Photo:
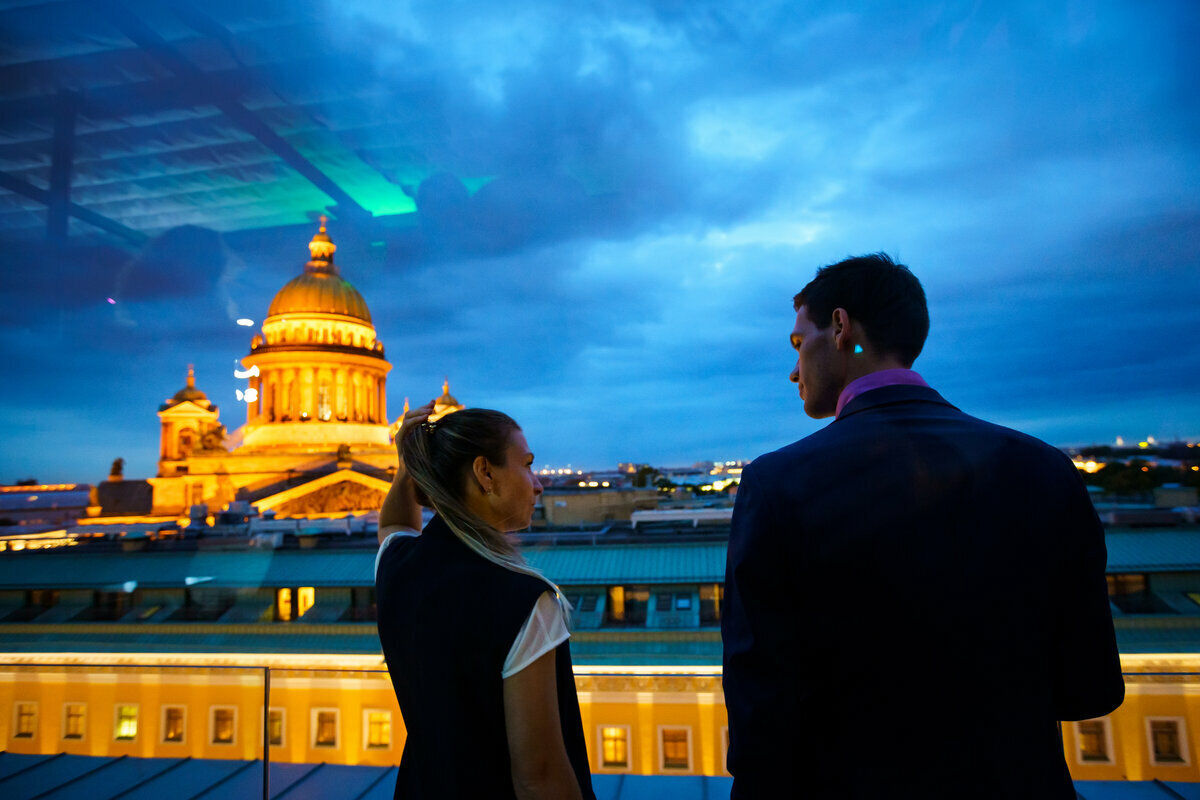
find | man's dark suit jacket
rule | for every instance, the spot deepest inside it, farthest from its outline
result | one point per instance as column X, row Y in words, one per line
column 914, row 597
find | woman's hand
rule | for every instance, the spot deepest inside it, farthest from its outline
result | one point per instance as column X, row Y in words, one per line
column 412, row 419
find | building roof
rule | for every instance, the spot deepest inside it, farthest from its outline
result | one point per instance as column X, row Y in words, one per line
column 81, row 568
column 568, row 565
column 63, row 775
column 1175, row 550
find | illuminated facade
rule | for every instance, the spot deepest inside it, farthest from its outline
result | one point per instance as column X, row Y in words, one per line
column 316, row 438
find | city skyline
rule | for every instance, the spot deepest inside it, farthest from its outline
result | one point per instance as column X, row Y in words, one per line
column 611, row 210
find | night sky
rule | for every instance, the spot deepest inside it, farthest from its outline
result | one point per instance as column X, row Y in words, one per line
column 617, row 201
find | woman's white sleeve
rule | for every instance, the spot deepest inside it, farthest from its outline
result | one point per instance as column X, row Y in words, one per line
column 393, row 532
column 545, row 630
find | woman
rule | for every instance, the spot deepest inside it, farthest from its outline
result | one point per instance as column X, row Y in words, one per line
column 475, row 639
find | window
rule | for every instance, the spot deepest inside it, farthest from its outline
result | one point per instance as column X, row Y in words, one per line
column 26, row 723
column 291, row 604
column 587, row 603
column 74, row 717
column 222, row 724
column 125, row 728
column 275, row 726
column 676, row 748
column 711, row 596
column 626, row 605
column 1166, row 741
column 1092, row 741
column 1131, row 593
column 614, row 746
column 324, row 727
column 378, row 728
column 678, row 601
column 173, row 724
column 283, row 605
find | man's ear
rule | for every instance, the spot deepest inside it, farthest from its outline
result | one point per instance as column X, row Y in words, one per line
column 843, row 327
column 481, row 468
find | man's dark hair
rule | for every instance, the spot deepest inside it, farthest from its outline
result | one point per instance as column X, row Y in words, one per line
column 883, row 296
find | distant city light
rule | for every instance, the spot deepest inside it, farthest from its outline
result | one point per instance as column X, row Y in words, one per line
column 245, row 323
column 248, row 373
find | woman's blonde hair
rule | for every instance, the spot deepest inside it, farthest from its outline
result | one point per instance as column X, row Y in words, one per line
column 439, row 458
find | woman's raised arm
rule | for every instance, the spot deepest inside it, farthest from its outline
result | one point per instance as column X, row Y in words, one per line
column 400, row 507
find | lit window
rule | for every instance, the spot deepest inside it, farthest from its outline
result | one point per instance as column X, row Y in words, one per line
column 283, row 605
column 223, row 725
column 1166, row 744
column 305, row 597
column 126, row 728
column 325, row 725
column 1093, row 741
column 26, row 720
column 614, row 746
column 379, row 728
column 73, row 720
column 275, row 726
column 675, row 748
column 173, row 724
column 683, row 602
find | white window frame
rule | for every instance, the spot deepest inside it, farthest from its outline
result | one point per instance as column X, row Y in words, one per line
column 212, row 725
column 82, row 737
column 282, row 725
column 1108, row 743
column 337, row 728
column 162, row 719
column 366, row 730
column 600, row 765
column 691, row 765
column 37, row 713
column 1181, row 726
column 137, row 708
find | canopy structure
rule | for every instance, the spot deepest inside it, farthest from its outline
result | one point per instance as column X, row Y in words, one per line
column 128, row 118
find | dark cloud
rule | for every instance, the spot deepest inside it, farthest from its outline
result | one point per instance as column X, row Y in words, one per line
column 615, row 203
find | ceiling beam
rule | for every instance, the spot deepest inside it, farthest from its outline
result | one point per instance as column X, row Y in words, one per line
column 158, row 48
column 27, row 189
column 62, row 159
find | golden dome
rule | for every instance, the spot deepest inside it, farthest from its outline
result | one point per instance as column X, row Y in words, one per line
column 320, row 288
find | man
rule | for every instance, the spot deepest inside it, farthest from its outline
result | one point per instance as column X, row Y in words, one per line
column 914, row 597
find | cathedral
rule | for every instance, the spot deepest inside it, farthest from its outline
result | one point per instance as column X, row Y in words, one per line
column 316, row 439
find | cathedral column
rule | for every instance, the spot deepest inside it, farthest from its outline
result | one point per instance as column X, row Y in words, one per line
column 382, row 385
column 339, row 402
column 252, row 409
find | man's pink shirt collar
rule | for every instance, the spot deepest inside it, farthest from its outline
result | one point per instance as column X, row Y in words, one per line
column 877, row 380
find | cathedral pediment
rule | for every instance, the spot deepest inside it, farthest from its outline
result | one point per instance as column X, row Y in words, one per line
column 337, row 492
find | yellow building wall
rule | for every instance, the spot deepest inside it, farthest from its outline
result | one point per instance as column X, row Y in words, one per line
column 643, row 700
